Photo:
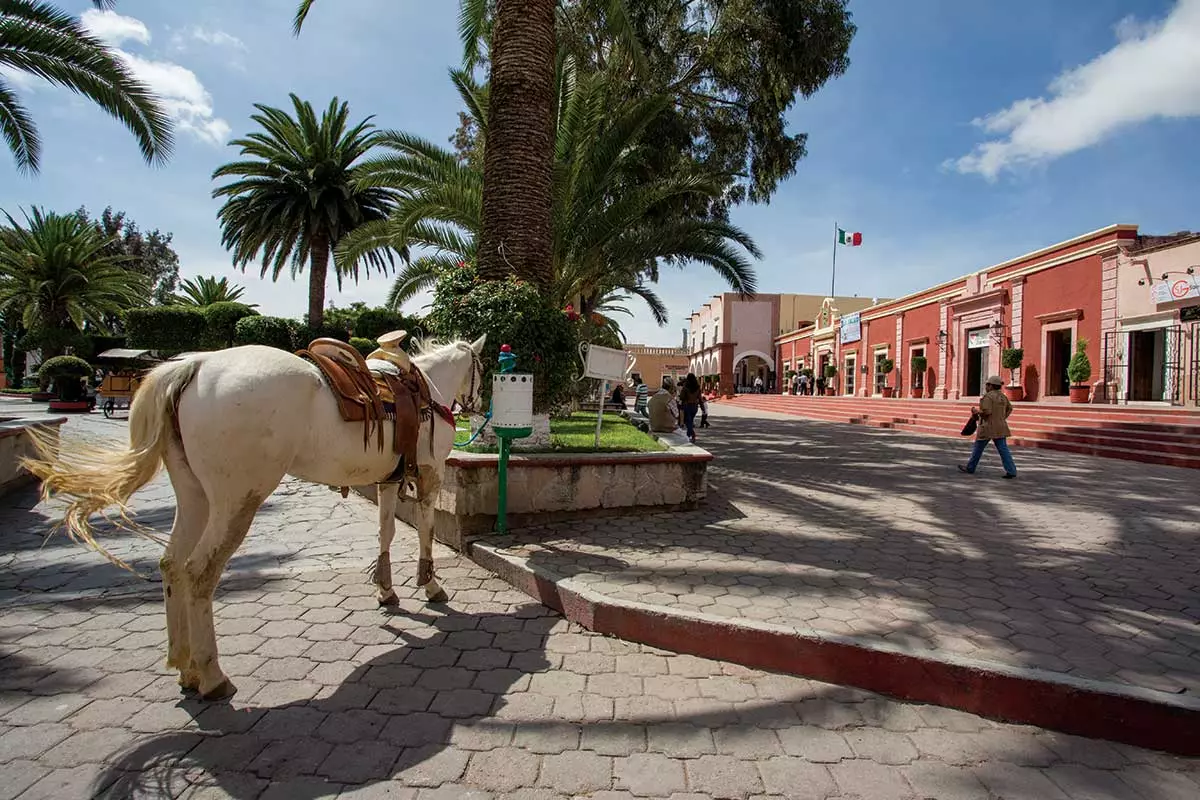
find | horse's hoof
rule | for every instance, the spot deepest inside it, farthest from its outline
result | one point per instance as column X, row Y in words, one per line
column 440, row 597
column 222, row 691
column 390, row 600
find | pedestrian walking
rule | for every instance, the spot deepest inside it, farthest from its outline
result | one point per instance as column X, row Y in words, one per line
column 689, row 404
column 992, row 420
column 641, row 396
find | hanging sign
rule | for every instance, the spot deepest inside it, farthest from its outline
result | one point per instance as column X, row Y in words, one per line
column 512, row 400
column 851, row 328
column 977, row 338
column 1186, row 288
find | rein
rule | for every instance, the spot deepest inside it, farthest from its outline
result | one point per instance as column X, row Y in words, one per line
column 472, row 397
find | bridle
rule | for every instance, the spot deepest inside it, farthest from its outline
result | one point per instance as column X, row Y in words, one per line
column 470, row 403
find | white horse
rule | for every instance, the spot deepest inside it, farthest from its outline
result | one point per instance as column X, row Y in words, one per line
column 229, row 425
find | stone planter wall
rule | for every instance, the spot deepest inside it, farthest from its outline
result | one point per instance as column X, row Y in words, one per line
column 545, row 487
column 15, row 445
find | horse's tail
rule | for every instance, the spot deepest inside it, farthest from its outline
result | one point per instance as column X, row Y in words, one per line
column 95, row 477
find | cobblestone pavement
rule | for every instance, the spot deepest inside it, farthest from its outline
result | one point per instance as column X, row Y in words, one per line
column 488, row 696
column 1085, row 566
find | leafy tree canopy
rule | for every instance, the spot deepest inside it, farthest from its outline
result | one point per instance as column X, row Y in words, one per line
column 734, row 69
column 148, row 253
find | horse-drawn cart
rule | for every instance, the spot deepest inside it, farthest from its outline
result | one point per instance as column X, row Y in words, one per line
column 123, row 373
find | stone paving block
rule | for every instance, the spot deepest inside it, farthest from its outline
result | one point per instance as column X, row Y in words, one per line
column 284, row 759
column 431, row 765
column 649, row 774
column 19, row 775
column 815, row 745
column 503, row 769
column 359, row 762
column 576, row 772
column 680, row 740
column 795, row 778
column 723, row 776
column 28, row 742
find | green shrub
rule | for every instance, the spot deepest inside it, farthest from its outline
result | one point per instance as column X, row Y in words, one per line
column 167, row 329
column 269, row 331
column 302, row 335
column 1011, row 358
column 511, row 312
column 374, row 322
column 65, row 372
column 222, row 319
column 362, row 345
column 831, row 371
column 54, row 340
column 920, row 364
column 886, row 366
column 1079, row 370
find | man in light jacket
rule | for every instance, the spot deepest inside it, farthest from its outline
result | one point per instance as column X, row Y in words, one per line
column 992, row 415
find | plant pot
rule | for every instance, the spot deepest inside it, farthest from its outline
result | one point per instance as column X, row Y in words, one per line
column 1015, row 393
column 1080, row 394
column 918, row 392
column 830, row 392
column 888, row 390
column 70, row 406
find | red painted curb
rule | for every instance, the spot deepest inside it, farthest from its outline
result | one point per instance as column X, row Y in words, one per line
column 574, row 460
column 1119, row 713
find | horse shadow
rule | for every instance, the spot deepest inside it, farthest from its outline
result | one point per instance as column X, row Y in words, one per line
column 448, row 676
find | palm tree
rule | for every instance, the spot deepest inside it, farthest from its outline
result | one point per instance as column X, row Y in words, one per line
column 204, row 291
column 609, row 237
column 296, row 195
column 57, row 274
column 38, row 39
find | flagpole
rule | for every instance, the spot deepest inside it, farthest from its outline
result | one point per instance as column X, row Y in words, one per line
column 833, row 278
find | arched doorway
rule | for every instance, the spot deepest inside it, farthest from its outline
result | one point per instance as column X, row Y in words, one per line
column 750, row 366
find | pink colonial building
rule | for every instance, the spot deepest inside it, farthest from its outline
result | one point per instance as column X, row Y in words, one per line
column 1132, row 299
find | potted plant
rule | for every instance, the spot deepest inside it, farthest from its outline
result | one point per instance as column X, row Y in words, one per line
column 830, row 376
column 919, row 364
column 886, row 366
column 1079, row 371
column 1011, row 359
column 68, row 374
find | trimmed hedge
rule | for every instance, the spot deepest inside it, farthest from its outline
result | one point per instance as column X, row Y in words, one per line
column 269, row 331
column 303, row 334
column 65, row 372
column 364, row 346
column 222, row 319
column 167, row 329
column 374, row 322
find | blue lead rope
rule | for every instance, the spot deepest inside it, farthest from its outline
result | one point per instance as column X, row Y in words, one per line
column 486, row 419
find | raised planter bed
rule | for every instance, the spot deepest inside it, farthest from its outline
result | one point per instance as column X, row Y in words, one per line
column 70, row 406
column 547, row 487
column 15, row 445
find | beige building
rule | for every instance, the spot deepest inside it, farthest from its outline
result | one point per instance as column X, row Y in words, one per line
column 731, row 339
column 655, row 363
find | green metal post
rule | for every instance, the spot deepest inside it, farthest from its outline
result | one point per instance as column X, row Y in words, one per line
column 502, row 500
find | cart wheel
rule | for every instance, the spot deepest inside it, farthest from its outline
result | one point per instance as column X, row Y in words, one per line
column 109, row 405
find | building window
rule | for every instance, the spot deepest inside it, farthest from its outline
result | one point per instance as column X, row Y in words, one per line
column 880, row 377
column 918, row 378
column 848, row 376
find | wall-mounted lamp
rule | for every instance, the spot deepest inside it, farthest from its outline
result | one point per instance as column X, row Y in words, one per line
column 997, row 332
column 1141, row 281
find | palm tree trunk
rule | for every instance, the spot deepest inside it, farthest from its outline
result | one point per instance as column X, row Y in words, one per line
column 318, row 272
column 518, row 157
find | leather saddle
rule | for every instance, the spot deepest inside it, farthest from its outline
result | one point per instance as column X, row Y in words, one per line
column 370, row 397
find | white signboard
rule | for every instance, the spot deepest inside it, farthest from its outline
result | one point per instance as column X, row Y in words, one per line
column 977, row 338
column 606, row 363
column 512, row 400
column 1184, row 288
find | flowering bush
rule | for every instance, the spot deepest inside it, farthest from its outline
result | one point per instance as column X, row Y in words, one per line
column 513, row 312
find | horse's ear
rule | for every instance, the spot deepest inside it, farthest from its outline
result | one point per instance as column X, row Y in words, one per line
column 477, row 345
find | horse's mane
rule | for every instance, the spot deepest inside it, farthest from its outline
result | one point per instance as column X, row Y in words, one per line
column 431, row 347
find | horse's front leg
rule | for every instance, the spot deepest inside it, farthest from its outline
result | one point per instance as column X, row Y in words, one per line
column 429, row 483
column 387, row 494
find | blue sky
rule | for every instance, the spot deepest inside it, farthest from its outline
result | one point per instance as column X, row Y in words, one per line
column 963, row 134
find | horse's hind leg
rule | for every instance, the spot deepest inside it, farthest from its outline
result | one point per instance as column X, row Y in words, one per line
column 387, row 494
column 429, row 482
column 229, row 519
column 191, row 516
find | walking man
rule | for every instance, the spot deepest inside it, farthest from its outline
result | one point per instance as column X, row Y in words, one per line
column 992, row 415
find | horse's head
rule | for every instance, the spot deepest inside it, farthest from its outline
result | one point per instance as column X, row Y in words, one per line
column 469, row 392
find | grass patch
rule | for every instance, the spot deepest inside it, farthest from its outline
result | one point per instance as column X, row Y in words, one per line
column 23, row 392
column 577, row 434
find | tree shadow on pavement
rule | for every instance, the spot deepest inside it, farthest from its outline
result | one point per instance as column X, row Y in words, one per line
column 1078, row 566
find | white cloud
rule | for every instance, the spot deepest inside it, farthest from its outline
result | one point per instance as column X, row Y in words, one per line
column 1152, row 72
column 181, row 92
column 217, row 38
column 115, row 29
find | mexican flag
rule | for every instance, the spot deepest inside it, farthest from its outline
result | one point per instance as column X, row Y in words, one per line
column 850, row 239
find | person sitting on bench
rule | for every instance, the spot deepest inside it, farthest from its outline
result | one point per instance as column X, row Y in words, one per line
column 663, row 410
